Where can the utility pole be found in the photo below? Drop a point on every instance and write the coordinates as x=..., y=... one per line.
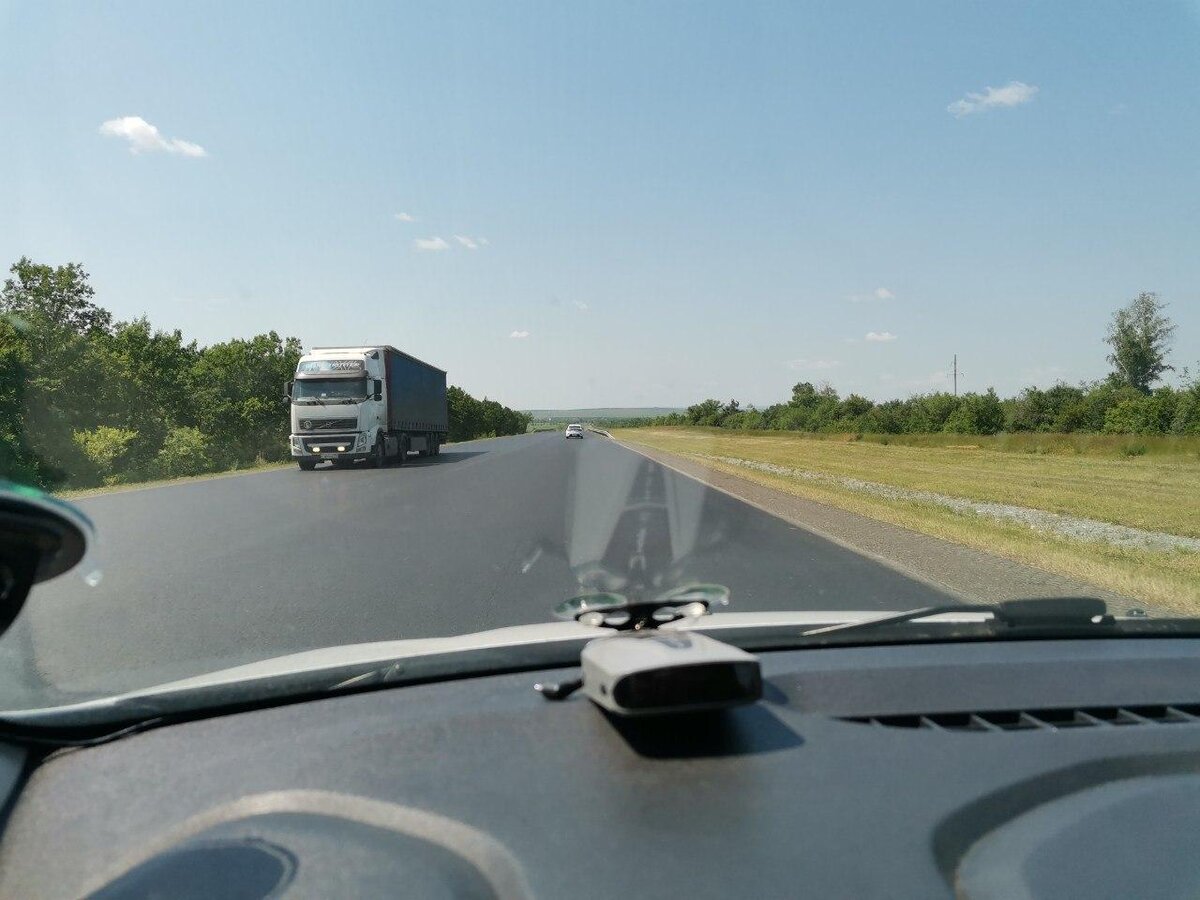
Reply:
x=955, y=374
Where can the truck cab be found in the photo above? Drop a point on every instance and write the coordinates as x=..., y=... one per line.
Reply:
x=365, y=403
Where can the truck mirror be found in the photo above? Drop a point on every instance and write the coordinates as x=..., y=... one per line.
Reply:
x=378, y=390
x=287, y=394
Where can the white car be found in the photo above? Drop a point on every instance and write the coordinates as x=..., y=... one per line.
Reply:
x=574, y=431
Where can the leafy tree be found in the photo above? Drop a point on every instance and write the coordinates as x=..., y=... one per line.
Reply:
x=16, y=460
x=464, y=414
x=1140, y=336
x=147, y=385
x=471, y=418
x=804, y=395
x=929, y=413
x=56, y=296
x=1187, y=406
x=886, y=418
x=853, y=407
x=104, y=447
x=976, y=414
x=706, y=413
x=237, y=389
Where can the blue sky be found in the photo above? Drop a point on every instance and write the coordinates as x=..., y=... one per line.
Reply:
x=669, y=201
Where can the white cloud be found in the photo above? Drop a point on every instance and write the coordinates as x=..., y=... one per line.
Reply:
x=145, y=138
x=1012, y=94
x=403, y=217
x=519, y=334
x=466, y=242
x=879, y=337
x=430, y=244
x=484, y=242
x=880, y=293
x=813, y=365
x=580, y=305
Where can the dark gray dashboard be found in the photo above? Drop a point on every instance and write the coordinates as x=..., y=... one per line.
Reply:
x=912, y=771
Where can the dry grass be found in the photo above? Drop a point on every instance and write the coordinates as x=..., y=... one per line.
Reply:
x=1160, y=493
x=1116, y=446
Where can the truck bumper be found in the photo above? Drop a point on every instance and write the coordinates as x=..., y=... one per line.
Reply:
x=344, y=447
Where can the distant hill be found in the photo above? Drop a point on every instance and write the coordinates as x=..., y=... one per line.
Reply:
x=612, y=412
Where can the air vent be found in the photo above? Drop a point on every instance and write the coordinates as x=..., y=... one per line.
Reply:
x=1040, y=719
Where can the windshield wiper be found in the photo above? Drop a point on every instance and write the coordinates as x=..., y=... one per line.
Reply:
x=1058, y=616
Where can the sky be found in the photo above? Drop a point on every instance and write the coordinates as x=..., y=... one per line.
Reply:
x=615, y=204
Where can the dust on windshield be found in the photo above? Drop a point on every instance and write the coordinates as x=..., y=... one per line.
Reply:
x=847, y=309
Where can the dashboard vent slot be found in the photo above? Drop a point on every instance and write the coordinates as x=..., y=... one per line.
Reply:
x=1040, y=719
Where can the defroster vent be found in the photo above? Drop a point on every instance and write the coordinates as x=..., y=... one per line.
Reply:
x=1040, y=719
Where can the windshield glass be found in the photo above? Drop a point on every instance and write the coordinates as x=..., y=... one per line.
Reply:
x=868, y=307
x=329, y=389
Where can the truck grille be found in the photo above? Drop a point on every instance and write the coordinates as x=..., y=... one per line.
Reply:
x=327, y=424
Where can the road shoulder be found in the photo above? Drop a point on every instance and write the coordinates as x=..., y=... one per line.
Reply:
x=969, y=574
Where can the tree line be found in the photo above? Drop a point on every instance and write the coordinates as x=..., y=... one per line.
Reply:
x=1125, y=402
x=87, y=400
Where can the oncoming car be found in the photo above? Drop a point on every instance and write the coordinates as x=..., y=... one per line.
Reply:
x=574, y=431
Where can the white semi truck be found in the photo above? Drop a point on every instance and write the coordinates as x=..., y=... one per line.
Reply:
x=365, y=403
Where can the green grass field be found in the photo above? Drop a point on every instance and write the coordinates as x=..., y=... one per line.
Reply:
x=1092, y=478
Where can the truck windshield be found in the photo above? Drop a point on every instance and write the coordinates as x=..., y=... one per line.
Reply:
x=330, y=389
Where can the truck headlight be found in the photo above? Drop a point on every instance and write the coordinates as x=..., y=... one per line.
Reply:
x=361, y=443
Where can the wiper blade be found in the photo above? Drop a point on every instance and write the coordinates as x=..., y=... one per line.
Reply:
x=1057, y=615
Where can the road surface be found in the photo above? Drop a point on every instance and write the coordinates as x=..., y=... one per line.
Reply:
x=210, y=573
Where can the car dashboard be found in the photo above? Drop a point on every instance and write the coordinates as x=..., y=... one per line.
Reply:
x=981, y=769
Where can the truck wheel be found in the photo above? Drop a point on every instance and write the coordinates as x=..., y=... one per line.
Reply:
x=402, y=452
x=306, y=465
x=379, y=454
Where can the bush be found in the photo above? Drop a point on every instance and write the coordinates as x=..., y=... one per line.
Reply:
x=1153, y=414
x=104, y=447
x=184, y=452
x=976, y=414
x=1187, y=408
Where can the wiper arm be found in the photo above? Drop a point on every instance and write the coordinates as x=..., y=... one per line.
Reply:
x=1057, y=615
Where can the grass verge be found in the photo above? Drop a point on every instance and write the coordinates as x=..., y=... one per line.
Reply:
x=1146, y=493
x=80, y=493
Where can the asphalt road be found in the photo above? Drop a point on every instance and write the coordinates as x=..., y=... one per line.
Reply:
x=205, y=574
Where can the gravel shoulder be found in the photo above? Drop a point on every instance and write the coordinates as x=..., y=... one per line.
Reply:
x=970, y=574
